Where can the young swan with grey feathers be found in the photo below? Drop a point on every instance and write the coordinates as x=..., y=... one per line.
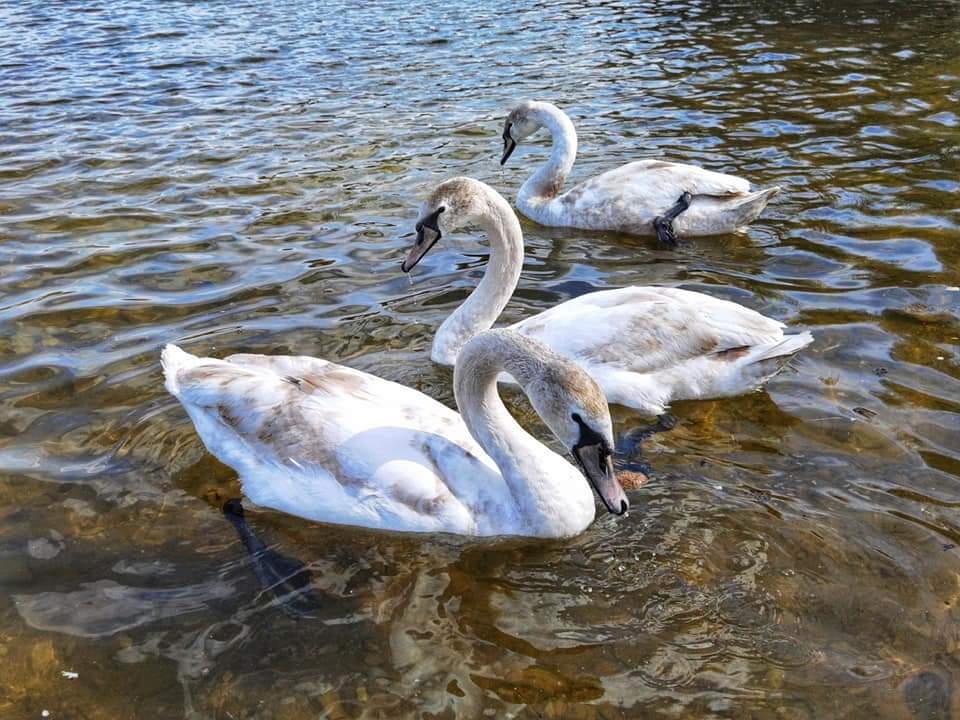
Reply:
x=645, y=346
x=646, y=197
x=328, y=443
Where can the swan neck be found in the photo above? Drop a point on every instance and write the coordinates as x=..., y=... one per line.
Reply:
x=480, y=311
x=538, y=485
x=547, y=182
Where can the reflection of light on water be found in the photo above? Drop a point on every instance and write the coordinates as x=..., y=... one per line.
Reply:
x=106, y=607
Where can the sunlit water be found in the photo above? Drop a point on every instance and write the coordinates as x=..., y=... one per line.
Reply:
x=245, y=176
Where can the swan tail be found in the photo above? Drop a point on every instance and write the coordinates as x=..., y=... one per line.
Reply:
x=173, y=360
x=765, y=361
x=783, y=350
x=739, y=370
x=748, y=209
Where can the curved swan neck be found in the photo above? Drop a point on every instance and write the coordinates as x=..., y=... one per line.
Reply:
x=479, y=311
x=548, y=492
x=547, y=181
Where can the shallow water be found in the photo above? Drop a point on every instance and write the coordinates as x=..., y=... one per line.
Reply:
x=245, y=176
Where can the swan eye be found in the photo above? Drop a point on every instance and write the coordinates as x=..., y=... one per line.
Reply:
x=589, y=436
x=604, y=453
x=430, y=221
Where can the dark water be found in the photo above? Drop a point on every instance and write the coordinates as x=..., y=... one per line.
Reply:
x=244, y=177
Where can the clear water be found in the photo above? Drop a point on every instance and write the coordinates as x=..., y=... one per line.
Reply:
x=244, y=177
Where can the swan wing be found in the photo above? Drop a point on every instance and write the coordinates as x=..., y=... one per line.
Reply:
x=646, y=329
x=629, y=197
x=330, y=443
x=660, y=181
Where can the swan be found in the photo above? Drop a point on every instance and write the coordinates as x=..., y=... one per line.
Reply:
x=645, y=346
x=645, y=197
x=328, y=443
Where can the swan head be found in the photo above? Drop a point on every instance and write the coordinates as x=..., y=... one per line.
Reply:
x=453, y=204
x=520, y=123
x=574, y=408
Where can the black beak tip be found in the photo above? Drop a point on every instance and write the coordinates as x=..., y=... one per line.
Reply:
x=624, y=506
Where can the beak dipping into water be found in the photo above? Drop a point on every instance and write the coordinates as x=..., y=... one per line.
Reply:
x=597, y=465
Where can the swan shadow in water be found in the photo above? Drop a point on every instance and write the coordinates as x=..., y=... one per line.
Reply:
x=287, y=580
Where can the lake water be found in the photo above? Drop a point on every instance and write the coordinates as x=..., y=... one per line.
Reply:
x=245, y=177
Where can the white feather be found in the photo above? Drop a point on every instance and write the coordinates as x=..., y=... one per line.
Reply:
x=628, y=198
x=645, y=346
x=329, y=443
x=650, y=346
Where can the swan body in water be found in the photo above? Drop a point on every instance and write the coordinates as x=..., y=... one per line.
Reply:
x=646, y=197
x=645, y=346
x=333, y=444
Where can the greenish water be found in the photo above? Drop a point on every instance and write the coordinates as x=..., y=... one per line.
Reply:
x=245, y=176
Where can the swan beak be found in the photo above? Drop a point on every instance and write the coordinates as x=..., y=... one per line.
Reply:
x=509, y=144
x=598, y=467
x=428, y=232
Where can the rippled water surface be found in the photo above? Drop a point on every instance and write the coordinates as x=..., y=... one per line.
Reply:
x=244, y=177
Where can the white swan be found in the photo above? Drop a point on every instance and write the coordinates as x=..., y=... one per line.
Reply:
x=647, y=197
x=645, y=346
x=328, y=443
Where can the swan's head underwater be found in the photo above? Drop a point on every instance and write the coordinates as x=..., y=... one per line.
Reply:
x=453, y=204
x=566, y=398
x=520, y=123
